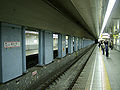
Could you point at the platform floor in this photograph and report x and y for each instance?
(31, 52)
(100, 73)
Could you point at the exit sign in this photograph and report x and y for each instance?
(11, 44)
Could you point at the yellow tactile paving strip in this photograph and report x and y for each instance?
(105, 82)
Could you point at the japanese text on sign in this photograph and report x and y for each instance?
(11, 44)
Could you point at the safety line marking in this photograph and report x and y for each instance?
(93, 74)
(106, 82)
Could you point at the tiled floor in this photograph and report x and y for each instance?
(95, 74)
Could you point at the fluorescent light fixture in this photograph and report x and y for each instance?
(108, 12)
(35, 41)
(118, 24)
(32, 32)
(114, 28)
(105, 35)
(55, 35)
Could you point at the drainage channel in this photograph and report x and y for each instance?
(66, 80)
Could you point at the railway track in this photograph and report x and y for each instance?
(65, 79)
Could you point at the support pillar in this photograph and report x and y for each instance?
(75, 43)
(61, 45)
(48, 47)
(78, 43)
(40, 49)
(70, 44)
(45, 47)
(82, 44)
(11, 48)
(1, 53)
(23, 51)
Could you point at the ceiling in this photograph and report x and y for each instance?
(87, 13)
(114, 17)
(82, 18)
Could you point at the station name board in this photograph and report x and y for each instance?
(12, 44)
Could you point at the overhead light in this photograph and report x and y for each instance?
(118, 24)
(55, 35)
(31, 32)
(108, 12)
(35, 41)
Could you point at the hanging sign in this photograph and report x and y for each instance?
(11, 44)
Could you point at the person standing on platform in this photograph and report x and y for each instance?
(106, 42)
(111, 45)
(106, 49)
(102, 47)
(99, 44)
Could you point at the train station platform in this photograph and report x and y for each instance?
(52, 44)
(100, 72)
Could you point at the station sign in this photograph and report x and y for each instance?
(12, 44)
